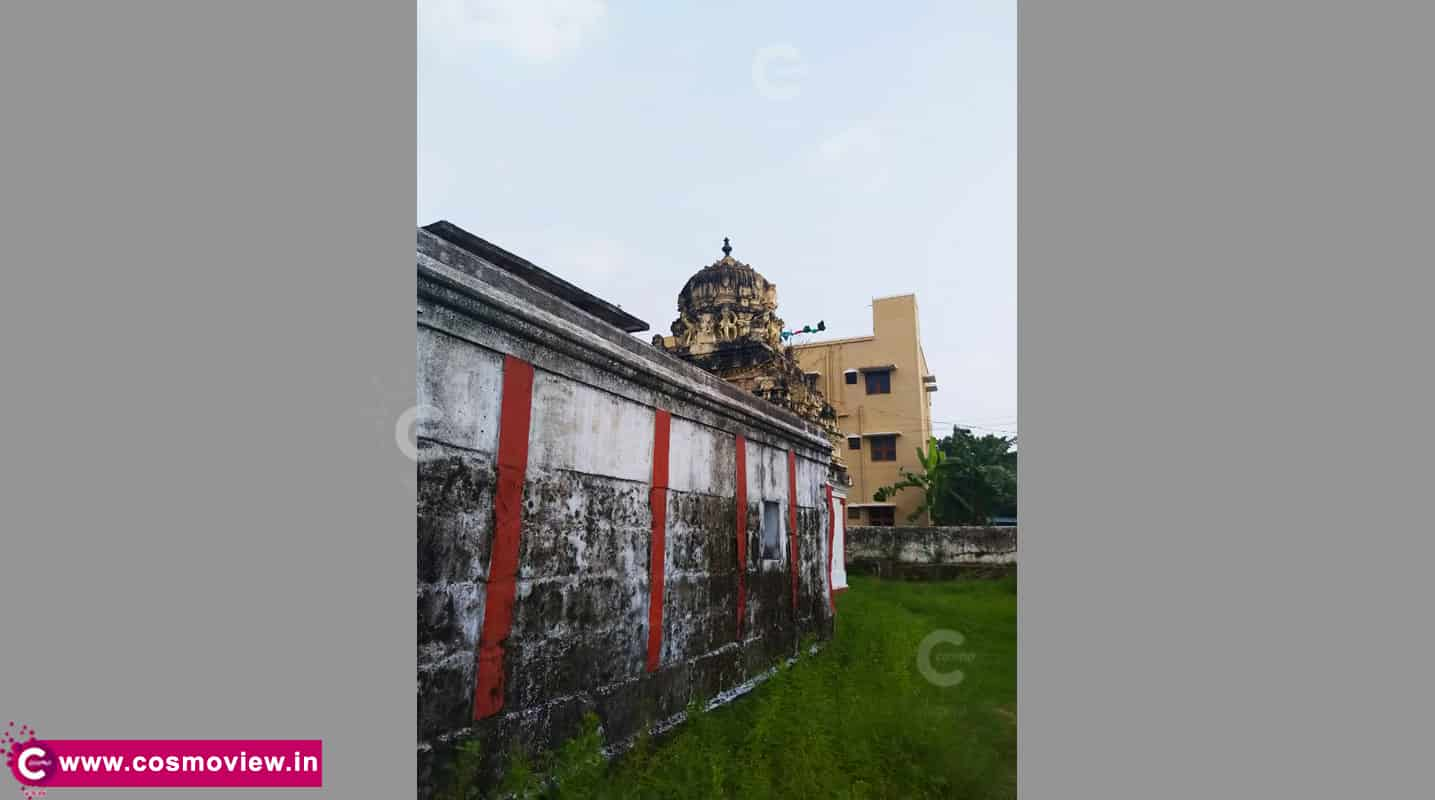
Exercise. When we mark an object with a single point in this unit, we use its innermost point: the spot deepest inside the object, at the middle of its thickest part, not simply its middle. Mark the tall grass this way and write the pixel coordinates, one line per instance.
(858, 720)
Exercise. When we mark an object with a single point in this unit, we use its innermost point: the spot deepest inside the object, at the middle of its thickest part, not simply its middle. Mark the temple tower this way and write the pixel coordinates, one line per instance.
(728, 325)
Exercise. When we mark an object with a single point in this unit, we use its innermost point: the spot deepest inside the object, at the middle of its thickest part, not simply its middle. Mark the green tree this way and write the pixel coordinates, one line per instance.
(964, 479)
(982, 479)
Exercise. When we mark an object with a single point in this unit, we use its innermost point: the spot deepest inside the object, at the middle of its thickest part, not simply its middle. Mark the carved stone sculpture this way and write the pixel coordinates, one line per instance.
(727, 324)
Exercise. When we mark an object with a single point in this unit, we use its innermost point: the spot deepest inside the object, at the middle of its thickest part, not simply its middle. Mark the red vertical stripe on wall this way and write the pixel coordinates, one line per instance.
(514, 415)
(845, 536)
(741, 533)
(831, 540)
(792, 520)
(658, 498)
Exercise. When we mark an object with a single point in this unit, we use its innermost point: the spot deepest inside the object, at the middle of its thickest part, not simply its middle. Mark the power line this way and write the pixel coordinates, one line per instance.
(904, 419)
(935, 421)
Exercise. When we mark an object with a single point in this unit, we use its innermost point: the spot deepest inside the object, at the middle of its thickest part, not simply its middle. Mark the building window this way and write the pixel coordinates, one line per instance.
(879, 382)
(811, 381)
(854, 442)
(851, 376)
(771, 531)
(883, 448)
(884, 515)
(854, 513)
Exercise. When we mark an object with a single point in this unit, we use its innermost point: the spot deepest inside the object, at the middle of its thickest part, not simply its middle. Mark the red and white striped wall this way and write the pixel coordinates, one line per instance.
(533, 420)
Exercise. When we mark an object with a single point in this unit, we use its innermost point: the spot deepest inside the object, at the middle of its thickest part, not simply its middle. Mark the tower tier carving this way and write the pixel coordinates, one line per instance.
(728, 325)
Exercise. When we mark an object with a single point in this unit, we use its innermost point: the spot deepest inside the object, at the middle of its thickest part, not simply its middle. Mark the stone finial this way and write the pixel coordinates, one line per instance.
(726, 247)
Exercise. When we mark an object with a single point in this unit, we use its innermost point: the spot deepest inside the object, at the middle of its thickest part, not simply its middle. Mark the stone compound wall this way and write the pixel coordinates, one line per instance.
(931, 552)
(577, 634)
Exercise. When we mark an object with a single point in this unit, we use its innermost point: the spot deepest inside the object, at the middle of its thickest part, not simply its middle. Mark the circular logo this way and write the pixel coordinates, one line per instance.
(935, 676)
(406, 432)
(34, 763)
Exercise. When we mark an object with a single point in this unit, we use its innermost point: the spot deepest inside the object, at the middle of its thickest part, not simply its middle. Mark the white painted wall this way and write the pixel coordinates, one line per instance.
(766, 473)
(460, 387)
(580, 428)
(701, 459)
(839, 566)
(811, 483)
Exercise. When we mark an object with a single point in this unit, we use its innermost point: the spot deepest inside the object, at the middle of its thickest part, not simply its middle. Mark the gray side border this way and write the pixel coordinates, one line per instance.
(1225, 399)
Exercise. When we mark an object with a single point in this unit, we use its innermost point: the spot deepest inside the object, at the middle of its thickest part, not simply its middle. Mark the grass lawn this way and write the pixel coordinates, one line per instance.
(856, 720)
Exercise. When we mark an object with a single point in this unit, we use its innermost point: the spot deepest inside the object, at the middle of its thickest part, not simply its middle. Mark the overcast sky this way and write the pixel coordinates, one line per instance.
(851, 151)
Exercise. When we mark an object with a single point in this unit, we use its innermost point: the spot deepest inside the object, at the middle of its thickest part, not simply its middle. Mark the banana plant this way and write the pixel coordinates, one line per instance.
(931, 480)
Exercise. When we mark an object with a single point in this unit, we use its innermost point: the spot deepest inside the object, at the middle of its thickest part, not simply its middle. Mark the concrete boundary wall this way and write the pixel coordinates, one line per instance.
(931, 552)
(560, 608)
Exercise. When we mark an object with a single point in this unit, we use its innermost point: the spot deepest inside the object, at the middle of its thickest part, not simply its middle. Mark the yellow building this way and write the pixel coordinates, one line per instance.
(881, 390)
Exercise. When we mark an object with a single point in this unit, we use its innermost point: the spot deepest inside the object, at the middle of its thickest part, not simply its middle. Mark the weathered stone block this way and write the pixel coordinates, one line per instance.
(759, 654)
(701, 535)
(455, 515)
(537, 609)
(625, 708)
(445, 695)
(437, 618)
(672, 689)
(716, 671)
(577, 523)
